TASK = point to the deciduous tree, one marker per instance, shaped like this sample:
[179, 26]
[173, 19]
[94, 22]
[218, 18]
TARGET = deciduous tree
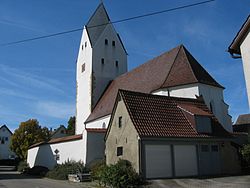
[28, 133]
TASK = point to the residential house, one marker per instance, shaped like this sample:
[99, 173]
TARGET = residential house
[240, 48]
[5, 138]
[165, 137]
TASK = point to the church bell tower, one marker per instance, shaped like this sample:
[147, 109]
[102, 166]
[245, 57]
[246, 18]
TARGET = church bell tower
[101, 58]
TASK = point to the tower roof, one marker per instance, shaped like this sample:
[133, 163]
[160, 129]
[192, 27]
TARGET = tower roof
[97, 23]
[173, 68]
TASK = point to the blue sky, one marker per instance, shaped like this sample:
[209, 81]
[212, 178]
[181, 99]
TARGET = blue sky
[37, 79]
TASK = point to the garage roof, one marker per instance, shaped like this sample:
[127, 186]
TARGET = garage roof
[160, 116]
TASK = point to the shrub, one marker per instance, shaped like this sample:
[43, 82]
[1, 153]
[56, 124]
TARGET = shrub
[23, 167]
[245, 152]
[38, 171]
[61, 171]
[120, 175]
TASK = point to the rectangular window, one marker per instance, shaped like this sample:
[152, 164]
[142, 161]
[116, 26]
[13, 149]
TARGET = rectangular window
[204, 148]
[116, 63]
[103, 61]
[106, 42]
[83, 67]
[113, 43]
[120, 122]
[85, 44]
[214, 148]
[119, 151]
[6, 138]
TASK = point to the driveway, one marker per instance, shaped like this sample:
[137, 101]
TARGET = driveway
[225, 182]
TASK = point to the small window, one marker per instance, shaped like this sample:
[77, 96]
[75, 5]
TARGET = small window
[204, 148]
[3, 129]
[113, 43]
[211, 107]
[103, 125]
[85, 44]
[2, 141]
[106, 42]
[57, 157]
[116, 63]
[103, 61]
[62, 132]
[119, 151]
[83, 67]
[120, 122]
[214, 148]
[6, 138]
[82, 47]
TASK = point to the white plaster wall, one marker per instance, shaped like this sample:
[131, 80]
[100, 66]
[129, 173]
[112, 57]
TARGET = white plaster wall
[214, 95]
[83, 81]
[95, 147]
[185, 91]
[44, 155]
[245, 53]
[5, 151]
[99, 123]
[104, 73]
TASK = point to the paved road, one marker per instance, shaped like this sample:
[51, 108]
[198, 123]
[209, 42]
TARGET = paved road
[12, 179]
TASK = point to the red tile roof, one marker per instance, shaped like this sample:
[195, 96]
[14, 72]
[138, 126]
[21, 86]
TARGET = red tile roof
[173, 68]
[96, 130]
[58, 140]
[160, 116]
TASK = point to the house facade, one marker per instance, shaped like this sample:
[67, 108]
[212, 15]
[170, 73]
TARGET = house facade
[240, 48]
[165, 137]
[5, 138]
[102, 70]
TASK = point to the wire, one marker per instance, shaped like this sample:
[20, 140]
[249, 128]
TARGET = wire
[114, 22]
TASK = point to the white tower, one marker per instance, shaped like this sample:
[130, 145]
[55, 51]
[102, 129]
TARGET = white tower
[101, 58]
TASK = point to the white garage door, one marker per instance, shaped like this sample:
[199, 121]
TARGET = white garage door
[185, 158]
[158, 161]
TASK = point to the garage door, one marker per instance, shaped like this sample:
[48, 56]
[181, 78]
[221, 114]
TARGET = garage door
[185, 158]
[158, 161]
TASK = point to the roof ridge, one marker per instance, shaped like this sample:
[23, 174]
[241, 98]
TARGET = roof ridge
[172, 65]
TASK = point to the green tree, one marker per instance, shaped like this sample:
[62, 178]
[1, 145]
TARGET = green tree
[245, 152]
[71, 125]
[28, 133]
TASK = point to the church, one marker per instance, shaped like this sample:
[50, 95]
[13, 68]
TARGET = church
[188, 113]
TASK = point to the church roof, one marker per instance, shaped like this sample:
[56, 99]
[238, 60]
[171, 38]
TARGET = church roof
[97, 23]
[173, 68]
[160, 116]
[243, 119]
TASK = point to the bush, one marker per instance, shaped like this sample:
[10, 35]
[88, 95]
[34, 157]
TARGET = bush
[23, 167]
[61, 171]
[120, 175]
[38, 171]
[245, 152]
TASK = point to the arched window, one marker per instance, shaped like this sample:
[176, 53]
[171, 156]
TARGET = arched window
[104, 125]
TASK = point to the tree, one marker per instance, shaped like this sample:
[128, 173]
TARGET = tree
[71, 125]
[28, 133]
[245, 152]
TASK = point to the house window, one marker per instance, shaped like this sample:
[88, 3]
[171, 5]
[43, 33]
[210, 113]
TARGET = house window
[6, 138]
[82, 47]
[102, 61]
[204, 148]
[211, 107]
[214, 148]
[119, 151]
[83, 67]
[85, 44]
[106, 42]
[116, 63]
[120, 122]
[2, 141]
[62, 132]
[113, 43]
